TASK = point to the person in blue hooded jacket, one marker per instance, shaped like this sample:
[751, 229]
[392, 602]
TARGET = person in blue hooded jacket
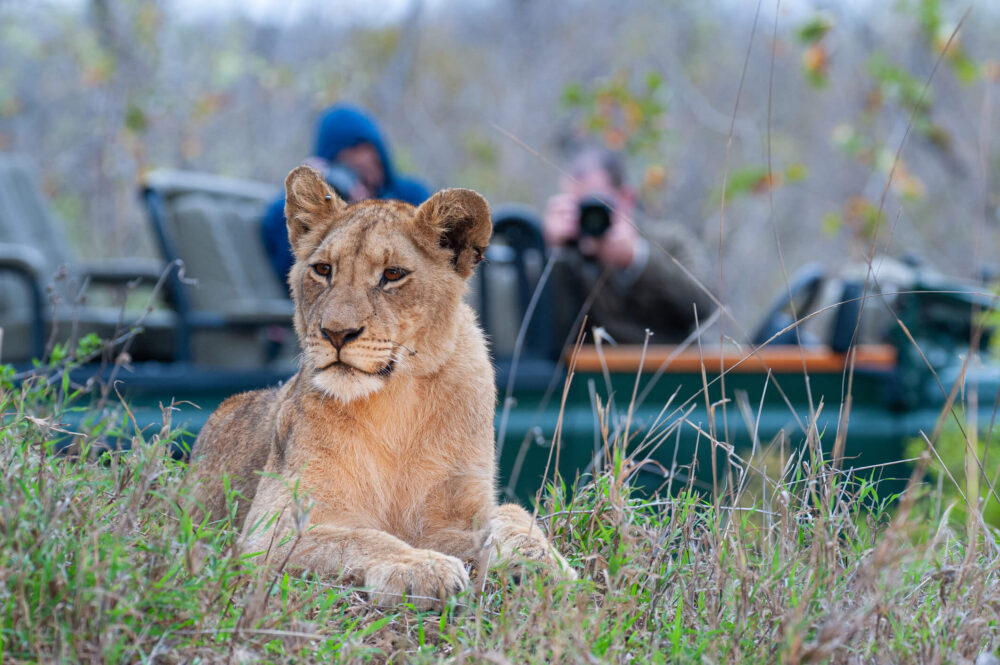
[348, 138]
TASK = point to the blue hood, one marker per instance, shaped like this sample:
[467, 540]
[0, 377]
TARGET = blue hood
[340, 127]
[345, 126]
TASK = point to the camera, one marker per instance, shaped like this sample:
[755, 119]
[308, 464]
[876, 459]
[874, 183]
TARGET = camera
[343, 180]
[595, 217]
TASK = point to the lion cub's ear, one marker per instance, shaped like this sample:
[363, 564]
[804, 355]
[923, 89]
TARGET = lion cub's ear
[310, 206]
[457, 220]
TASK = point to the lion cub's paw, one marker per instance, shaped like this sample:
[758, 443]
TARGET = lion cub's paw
[426, 578]
[534, 547]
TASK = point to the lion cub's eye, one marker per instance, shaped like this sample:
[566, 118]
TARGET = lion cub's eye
[322, 269]
[393, 274]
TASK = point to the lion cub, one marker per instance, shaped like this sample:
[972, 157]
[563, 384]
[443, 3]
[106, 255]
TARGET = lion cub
[387, 428]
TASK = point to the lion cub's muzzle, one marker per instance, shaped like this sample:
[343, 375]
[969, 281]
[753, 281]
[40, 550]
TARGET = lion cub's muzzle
[351, 352]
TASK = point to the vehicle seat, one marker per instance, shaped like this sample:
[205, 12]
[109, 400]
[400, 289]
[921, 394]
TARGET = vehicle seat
[233, 310]
[41, 279]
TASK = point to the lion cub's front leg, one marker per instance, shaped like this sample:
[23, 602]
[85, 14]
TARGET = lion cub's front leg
[385, 565]
[515, 534]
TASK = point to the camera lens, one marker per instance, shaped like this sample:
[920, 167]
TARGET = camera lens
[342, 179]
[595, 217]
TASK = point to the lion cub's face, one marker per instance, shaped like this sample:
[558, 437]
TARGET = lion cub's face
[377, 284]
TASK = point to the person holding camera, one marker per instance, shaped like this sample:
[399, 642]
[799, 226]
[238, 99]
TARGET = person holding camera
[352, 153]
[617, 261]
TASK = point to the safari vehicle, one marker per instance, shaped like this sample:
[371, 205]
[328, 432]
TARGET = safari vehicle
[876, 362]
[226, 329]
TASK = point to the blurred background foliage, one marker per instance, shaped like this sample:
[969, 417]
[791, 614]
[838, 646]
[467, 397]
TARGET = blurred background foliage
[96, 92]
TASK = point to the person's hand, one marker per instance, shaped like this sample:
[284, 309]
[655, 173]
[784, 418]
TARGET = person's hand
[616, 248]
[561, 224]
[359, 193]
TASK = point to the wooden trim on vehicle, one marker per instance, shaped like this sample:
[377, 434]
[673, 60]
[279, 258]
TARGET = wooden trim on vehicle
[779, 359]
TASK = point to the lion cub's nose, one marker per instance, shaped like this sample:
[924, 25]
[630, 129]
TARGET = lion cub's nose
[341, 337]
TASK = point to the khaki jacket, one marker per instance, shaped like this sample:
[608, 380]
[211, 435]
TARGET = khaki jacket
[652, 293]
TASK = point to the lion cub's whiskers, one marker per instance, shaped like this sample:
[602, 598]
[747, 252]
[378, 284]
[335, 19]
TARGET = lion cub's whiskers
[396, 355]
[397, 345]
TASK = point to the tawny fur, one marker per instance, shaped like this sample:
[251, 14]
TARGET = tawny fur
[389, 438]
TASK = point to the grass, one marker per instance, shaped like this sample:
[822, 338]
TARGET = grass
[100, 563]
